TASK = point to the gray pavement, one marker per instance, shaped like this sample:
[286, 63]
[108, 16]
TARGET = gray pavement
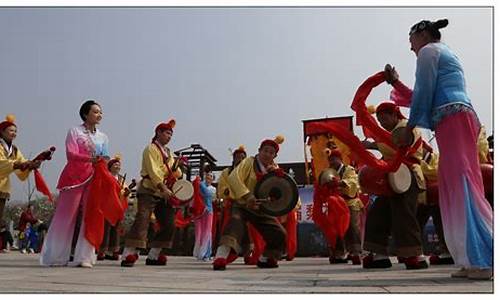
[21, 273]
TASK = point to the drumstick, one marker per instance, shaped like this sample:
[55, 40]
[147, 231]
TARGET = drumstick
[123, 181]
[175, 192]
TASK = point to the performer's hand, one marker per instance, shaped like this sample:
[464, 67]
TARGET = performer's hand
[94, 159]
[391, 75]
[21, 165]
[251, 202]
[272, 167]
[167, 194]
[34, 164]
[404, 139]
[126, 192]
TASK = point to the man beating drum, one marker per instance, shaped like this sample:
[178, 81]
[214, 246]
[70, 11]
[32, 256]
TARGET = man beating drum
[159, 172]
[395, 215]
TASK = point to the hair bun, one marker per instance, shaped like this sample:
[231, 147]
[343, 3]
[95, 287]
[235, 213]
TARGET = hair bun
[440, 23]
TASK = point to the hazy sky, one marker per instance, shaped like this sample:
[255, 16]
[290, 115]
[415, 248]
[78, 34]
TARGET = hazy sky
[229, 76]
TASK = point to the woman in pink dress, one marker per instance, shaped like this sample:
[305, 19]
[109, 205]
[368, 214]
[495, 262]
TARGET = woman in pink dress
[85, 144]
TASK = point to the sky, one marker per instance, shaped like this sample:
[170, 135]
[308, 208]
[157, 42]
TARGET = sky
[229, 76]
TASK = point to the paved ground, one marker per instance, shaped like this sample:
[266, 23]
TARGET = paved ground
[20, 273]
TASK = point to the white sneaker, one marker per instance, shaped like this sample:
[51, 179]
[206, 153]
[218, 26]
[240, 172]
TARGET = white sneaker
[86, 265]
[23, 251]
[31, 250]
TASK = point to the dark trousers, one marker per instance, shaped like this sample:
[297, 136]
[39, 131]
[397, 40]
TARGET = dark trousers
[2, 207]
[6, 238]
[396, 216]
[423, 214]
[111, 238]
[352, 239]
[271, 230]
[164, 212]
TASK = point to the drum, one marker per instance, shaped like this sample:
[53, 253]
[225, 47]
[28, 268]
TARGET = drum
[375, 182]
[183, 192]
[400, 181]
[281, 191]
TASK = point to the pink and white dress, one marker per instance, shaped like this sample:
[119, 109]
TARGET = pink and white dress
[73, 184]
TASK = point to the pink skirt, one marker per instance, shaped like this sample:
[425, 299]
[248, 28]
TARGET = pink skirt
[467, 215]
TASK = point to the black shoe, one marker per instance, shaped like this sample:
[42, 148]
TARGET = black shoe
[112, 257]
[336, 260]
[127, 263]
[269, 264]
[412, 263]
[161, 261]
[130, 260]
[446, 261]
[369, 263]
[437, 260]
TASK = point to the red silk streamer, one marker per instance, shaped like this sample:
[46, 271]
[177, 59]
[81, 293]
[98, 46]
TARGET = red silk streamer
[371, 129]
[103, 203]
[363, 117]
[362, 155]
[291, 233]
[330, 213]
[180, 221]
[41, 186]
[198, 206]
[258, 244]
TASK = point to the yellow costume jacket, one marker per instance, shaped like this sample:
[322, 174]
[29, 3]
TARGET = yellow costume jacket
[7, 167]
[154, 171]
[349, 176]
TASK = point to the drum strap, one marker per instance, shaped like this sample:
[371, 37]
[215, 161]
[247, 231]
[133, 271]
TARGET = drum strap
[258, 172]
[169, 180]
[341, 171]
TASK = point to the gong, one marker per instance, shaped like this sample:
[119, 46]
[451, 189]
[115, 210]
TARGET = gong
[281, 192]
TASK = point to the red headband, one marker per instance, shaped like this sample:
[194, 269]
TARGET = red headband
[389, 107]
[166, 126]
[270, 143]
[9, 121]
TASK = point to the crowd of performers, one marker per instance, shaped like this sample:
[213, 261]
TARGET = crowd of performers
[90, 185]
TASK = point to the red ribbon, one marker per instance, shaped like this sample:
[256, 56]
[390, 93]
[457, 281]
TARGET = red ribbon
[41, 186]
[103, 203]
[371, 129]
[330, 213]
[197, 207]
[291, 233]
